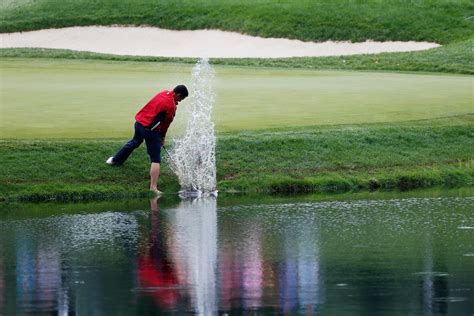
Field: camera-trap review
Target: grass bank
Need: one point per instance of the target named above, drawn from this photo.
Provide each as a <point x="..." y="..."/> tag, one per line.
<point x="337" y="158"/>
<point x="452" y="58"/>
<point x="441" y="21"/>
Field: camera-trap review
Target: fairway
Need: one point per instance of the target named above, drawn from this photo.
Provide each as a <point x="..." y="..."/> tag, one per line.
<point x="43" y="98"/>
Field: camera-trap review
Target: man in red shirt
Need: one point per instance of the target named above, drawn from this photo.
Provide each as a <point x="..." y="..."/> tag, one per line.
<point x="151" y="125"/>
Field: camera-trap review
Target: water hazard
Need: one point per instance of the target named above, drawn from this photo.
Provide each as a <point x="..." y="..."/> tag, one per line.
<point x="394" y="256"/>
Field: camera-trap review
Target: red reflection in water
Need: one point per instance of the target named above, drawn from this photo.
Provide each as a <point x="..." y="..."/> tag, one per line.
<point x="230" y="275"/>
<point x="156" y="273"/>
<point x="169" y="271"/>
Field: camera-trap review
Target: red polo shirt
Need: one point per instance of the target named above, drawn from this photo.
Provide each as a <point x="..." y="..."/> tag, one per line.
<point x="158" y="113"/>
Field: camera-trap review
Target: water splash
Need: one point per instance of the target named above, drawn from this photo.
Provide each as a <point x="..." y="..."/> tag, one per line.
<point x="193" y="156"/>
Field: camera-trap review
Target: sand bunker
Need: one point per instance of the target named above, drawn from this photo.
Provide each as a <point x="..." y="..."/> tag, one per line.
<point x="152" y="41"/>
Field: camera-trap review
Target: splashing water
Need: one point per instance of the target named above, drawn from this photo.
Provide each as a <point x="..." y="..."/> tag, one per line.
<point x="193" y="156"/>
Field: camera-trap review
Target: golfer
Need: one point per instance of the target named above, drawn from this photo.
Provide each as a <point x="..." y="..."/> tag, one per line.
<point x="151" y="125"/>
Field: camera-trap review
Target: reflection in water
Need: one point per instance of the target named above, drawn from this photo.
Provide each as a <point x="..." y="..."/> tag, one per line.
<point x="287" y="280"/>
<point x="359" y="257"/>
<point x="251" y="262"/>
<point x="241" y="268"/>
<point x="38" y="277"/>
<point x="194" y="248"/>
<point x="309" y="272"/>
<point x="178" y="264"/>
<point x="25" y="271"/>
<point x="249" y="280"/>
<point x="428" y="286"/>
<point x="2" y="283"/>
<point x="299" y="274"/>
<point x="48" y="271"/>
<point x="156" y="274"/>
<point x="435" y="283"/>
<point x="59" y="265"/>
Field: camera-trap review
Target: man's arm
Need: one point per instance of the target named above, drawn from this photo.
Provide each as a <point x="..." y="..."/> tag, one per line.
<point x="169" y="116"/>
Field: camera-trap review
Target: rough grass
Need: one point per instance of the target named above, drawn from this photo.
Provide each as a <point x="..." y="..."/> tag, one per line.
<point x="403" y="155"/>
<point x="322" y="159"/>
<point x="335" y="158"/>
<point x="441" y="21"/>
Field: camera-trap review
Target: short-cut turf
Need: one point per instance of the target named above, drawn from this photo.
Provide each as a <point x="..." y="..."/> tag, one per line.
<point x="44" y="98"/>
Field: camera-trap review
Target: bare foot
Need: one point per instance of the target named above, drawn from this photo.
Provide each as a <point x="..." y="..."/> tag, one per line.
<point x="156" y="191"/>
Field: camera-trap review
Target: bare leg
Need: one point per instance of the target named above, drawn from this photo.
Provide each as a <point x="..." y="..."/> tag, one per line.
<point x="154" y="174"/>
<point x="154" y="205"/>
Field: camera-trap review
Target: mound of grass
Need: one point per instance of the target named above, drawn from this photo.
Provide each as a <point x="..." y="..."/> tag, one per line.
<point x="441" y="21"/>
<point x="349" y="157"/>
<point x="452" y="58"/>
<point x="322" y="159"/>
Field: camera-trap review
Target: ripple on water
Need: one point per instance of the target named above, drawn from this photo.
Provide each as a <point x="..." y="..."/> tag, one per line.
<point x="450" y="299"/>
<point x="432" y="273"/>
<point x="354" y="217"/>
<point x="264" y="253"/>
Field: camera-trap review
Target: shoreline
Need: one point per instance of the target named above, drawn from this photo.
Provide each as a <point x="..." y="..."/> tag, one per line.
<point x="364" y="159"/>
<point x="433" y="191"/>
<point x="338" y="184"/>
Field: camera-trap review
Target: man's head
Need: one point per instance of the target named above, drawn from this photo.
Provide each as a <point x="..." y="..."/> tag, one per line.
<point x="181" y="92"/>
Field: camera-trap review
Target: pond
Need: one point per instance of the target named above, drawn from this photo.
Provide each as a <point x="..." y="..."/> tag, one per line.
<point x="388" y="254"/>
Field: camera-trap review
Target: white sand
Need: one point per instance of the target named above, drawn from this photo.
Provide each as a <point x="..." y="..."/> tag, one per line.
<point x="152" y="41"/>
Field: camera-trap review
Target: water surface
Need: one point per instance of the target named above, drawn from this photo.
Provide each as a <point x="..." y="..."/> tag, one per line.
<point x="396" y="256"/>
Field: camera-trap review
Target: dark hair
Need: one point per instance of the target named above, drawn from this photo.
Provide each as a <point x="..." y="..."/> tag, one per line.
<point x="181" y="90"/>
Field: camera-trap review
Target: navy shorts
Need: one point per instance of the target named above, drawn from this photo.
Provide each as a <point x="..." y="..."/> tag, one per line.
<point x="153" y="144"/>
<point x="152" y="140"/>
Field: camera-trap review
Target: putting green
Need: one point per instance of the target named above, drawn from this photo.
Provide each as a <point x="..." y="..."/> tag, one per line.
<point x="43" y="98"/>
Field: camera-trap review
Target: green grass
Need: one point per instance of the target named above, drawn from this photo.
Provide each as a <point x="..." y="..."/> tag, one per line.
<point x="395" y="155"/>
<point x="442" y="21"/>
<point x="48" y="98"/>
<point x="280" y="129"/>
<point x="452" y="58"/>
<point x="425" y="153"/>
